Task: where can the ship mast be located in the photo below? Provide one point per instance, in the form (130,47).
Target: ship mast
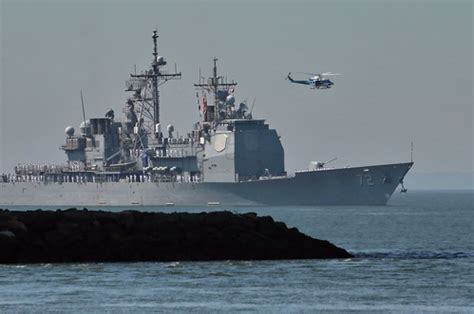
(156,72)
(153,78)
(214,84)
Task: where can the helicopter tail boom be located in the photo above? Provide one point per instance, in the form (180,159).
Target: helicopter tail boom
(296,81)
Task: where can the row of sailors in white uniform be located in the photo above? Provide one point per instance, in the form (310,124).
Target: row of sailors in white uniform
(25,168)
(41,178)
(71,178)
(12,178)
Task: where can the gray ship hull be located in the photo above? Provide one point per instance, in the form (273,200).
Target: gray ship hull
(371,185)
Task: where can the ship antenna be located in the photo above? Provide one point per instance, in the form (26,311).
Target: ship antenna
(411,152)
(83,108)
(156,72)
(253,104)
(152,77)
(215,85)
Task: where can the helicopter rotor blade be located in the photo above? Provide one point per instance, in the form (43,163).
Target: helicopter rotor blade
(329,73)
(308,73)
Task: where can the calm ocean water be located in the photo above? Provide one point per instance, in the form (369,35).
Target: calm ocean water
(414,255)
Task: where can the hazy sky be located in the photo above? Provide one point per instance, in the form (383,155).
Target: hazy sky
(407,73)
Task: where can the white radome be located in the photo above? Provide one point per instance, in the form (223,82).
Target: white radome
(69,130)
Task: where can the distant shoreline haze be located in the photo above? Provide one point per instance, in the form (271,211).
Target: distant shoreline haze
(440,181)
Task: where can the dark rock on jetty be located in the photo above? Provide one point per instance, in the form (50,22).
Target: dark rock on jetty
(97,236)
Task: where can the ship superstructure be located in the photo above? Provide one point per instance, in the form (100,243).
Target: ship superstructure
(228,157)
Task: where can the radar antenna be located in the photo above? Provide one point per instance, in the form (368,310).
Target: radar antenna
(83,108)
(253,105)
(147,83)
(214,84)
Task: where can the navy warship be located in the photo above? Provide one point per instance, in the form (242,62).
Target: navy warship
(228,158)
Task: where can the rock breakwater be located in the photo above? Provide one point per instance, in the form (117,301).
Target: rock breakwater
(130,236)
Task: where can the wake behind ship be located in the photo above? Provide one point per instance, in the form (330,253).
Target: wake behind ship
(228,158)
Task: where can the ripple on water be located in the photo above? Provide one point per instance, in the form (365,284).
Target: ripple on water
(413,255)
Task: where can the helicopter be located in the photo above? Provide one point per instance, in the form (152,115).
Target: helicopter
(316,81)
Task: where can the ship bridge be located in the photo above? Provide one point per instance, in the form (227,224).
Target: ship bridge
(241,150)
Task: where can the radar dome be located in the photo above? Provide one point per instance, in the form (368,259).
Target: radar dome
(69,130)
(170,129)
(230,100)
(160,60)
